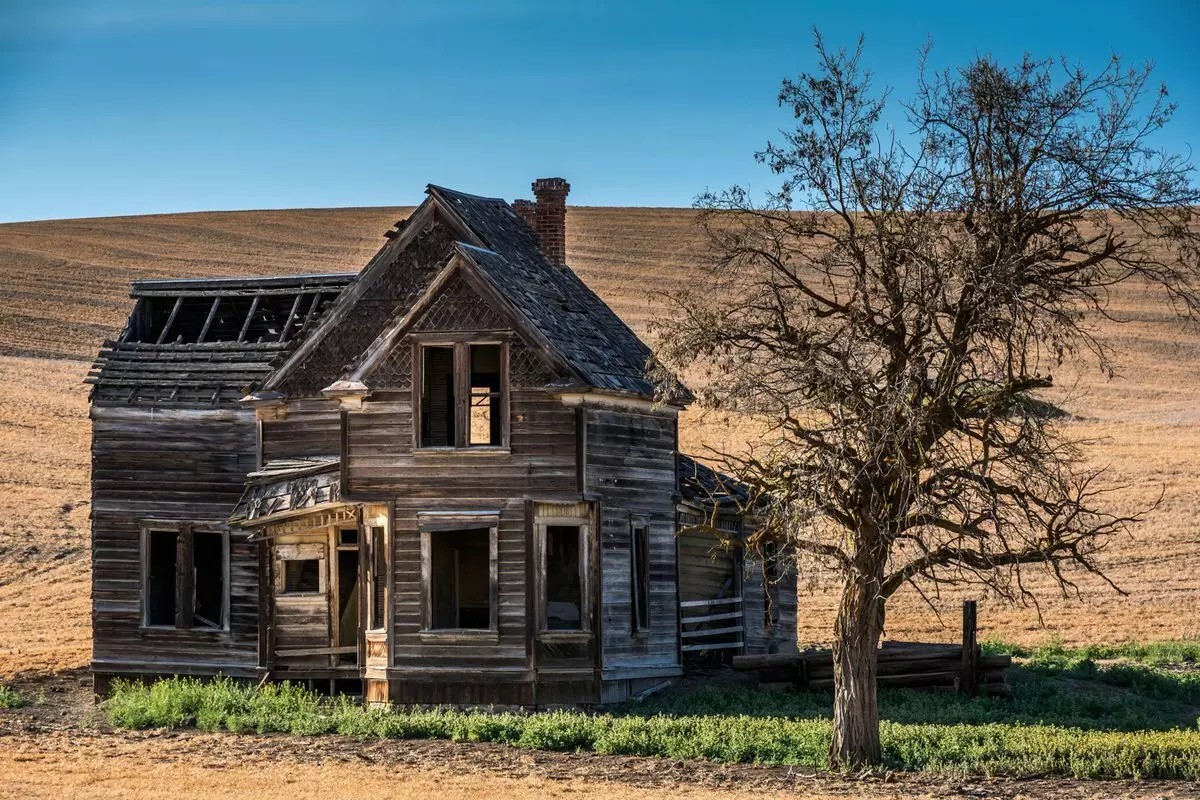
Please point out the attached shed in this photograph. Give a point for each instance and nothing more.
(733, 599)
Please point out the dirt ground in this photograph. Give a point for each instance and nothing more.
(58, 747)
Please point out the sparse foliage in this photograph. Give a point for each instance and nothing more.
(891, 309)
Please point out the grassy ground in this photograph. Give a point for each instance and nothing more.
(10, 698)
(1068, 716)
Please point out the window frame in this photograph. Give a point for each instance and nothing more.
(298, 552)
(431, 523)
(185, 577)
(377, 581)
(541, 531)
(461, 344)
(639, 614)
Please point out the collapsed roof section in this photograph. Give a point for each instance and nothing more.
(207, 341)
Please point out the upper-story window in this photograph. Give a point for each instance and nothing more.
(463, 399)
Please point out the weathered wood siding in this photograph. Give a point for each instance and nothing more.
(185, 465)
(309, 428)
(630, 466)
(540, 464)
(770, 609)
(706, 568)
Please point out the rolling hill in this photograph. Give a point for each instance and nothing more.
(65, 288)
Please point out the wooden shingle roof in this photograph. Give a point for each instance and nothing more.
(206, 341)
(588, 335)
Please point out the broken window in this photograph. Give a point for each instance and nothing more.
(486, 412)
(639, 561)
(208, 582)
(302, 576)
(437, 397)
(460, 579)
(186, 582)
(161, 577)
(563, 579)
(462, 396)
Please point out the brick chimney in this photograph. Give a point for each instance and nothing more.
(550, 218)
(528, 211)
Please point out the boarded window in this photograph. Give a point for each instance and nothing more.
(208, 584)
(486, 413)
(564, 586)
(460, 579)
(437, 397)
(378, 579)
(639, 559)
(162, 577)
(302, 576)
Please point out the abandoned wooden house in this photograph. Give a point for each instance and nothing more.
(442, 479)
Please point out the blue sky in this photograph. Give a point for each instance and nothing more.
(128, 107)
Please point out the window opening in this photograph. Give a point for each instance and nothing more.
(639, 547)
(302, 576)
(437, 397)
(564, 586)
(208, 565)
(162, 565)
(486, 412)
(378, 578)
(460, 579)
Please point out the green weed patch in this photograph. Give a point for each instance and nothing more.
(767, 728)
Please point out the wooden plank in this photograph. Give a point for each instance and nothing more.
(162, 336)
(208, 321)
(711, 632)
(968, 682)
(711, 618)
(724, 601)
(691, 648)
(249, 317)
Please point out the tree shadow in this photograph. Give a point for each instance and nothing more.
(1113, 698)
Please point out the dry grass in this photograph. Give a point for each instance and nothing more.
(66, 288)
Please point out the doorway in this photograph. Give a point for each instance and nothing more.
(347, 596)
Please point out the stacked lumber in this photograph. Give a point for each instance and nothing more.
(937, 667)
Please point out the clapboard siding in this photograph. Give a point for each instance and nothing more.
(540, 464)
(706, 568)
(184, 465)
(770, 608)
(630, 465)
(310, 428)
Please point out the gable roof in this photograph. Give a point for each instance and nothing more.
(561, 312)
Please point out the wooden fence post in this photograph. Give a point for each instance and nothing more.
(968, 680)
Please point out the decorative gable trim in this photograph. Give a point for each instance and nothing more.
(462, 265)
(351, 295)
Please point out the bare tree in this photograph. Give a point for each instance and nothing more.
(891, 309)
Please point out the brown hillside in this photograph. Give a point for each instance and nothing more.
(65, 288)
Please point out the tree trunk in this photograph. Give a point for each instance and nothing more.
(855, 661)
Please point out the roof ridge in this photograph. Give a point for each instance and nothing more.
(446, 189)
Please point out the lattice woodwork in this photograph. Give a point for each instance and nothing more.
(395, 371)
(392, 291)
(460, 308)
(526, 367)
